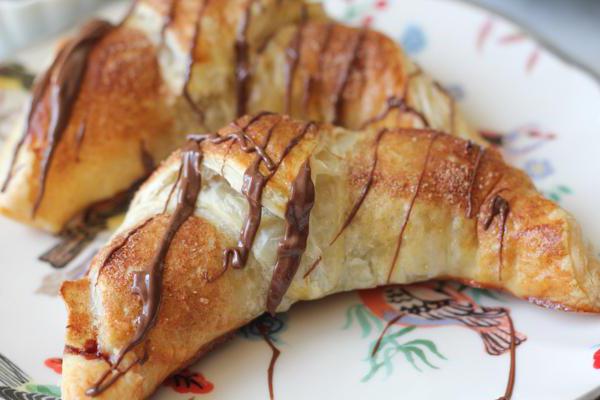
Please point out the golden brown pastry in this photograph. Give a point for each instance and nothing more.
(118, 99)
(270, 211)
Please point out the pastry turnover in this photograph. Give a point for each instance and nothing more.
(270, 211)
(118, 99)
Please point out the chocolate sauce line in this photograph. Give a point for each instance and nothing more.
(147, 283)
(172, 191)
(39, 89)
(343, 83)
(293, 244)
(312, 267)
(310, 81)
(246, 143)
(365, 189)
(190, 65)
(510, 384)
(473, 177)
(237, 256)
(488, 193)
(96, 391)
(65, 82)
(242, 68)
(501, 208)
(275, 355)
(383, 332)
(119, 246)
(295, 140)
(229, 147)
(434, 136)
(253, 184)
(293, 54)
(400, 104)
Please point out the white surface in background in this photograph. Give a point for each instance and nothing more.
(25, 22)
(573, 26)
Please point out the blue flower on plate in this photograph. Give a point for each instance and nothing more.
(538, 169)
(413, 39)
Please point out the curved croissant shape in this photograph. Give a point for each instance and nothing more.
(270, 211)
(119, 99)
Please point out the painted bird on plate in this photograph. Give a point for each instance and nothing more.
(441, 303)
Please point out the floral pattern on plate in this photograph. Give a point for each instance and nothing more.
(385, 342)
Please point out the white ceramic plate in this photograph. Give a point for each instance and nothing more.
(548, 113)
(24, 21)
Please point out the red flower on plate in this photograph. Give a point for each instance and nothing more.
(597, 359)
(55, 364)
(187, 381)
(381, 4)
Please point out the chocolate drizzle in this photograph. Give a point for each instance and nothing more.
(116, 247)
(97, 390)
(65, 78)
(313, 267)
(190, 65)
(264, 331)
(366, 188)
(39, 89)
(242, 68)
(434, 136)
(401, 105)
(252, 188)
(309, 82)
(510, 384)
(291, 247)
(499, 207)
(383, 332)
(254, 183)
(473, 177)
(147, 283)
(292, 54)
(338, 102)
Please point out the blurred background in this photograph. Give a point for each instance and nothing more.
(571, 27)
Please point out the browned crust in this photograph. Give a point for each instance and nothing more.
(122, 106)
